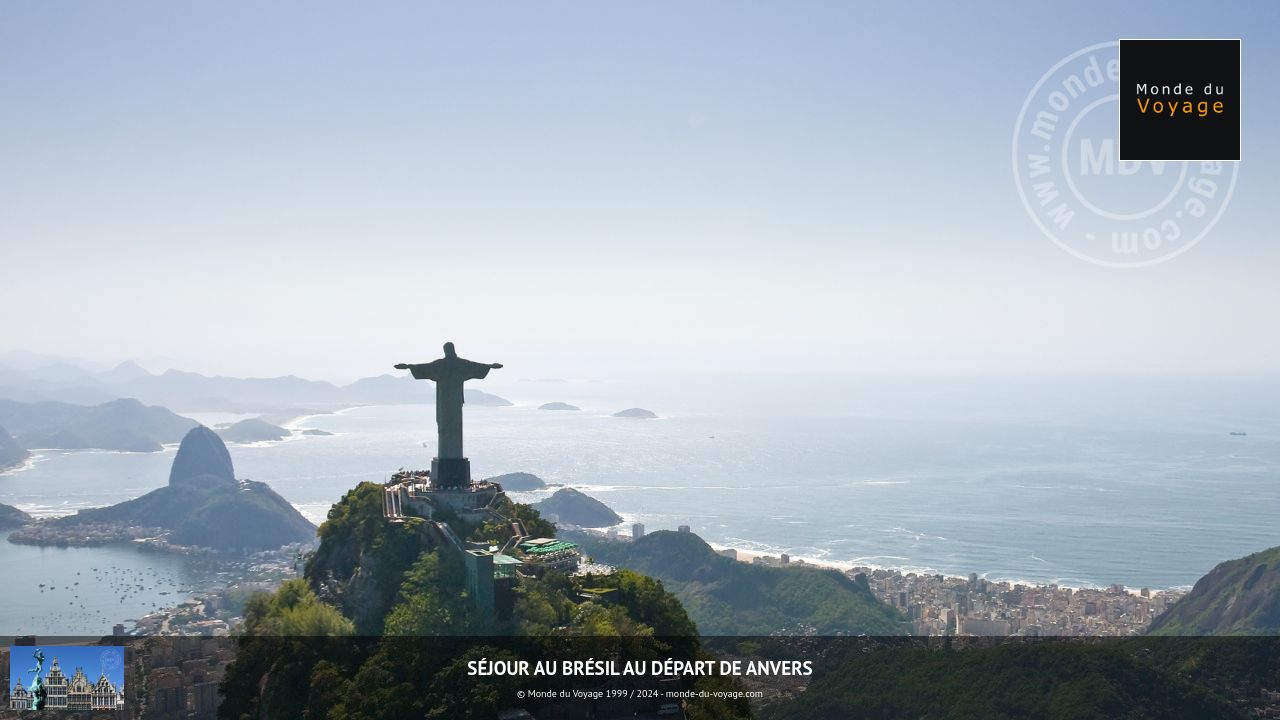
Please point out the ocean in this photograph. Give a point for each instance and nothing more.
(1083, 482)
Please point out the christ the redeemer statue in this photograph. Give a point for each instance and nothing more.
(450, 468)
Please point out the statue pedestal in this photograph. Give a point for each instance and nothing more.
(450, 472)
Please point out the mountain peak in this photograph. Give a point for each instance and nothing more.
(202, 459)
(124, 372)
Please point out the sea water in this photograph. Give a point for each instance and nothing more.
(1083, 482)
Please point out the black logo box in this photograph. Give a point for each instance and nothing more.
(1185, 67)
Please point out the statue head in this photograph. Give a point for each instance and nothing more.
(449, 351)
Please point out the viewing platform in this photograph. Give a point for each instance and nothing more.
(410, 493)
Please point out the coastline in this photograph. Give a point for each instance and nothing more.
(936, 604)
(313, 512)
(749, 556)
(29, 462)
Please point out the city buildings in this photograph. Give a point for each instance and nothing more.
(942, 605)
(74, 693)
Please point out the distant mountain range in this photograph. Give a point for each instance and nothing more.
(64, 382)
(63, 405)
(203, 505)
(115, 425)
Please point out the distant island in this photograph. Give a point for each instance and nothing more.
(203, 506)
(11, 453)
(65, 382)
(639, 413)
(577, 508)
(253, 430)
(11, 517)
(558, 406)
(124, 424)
(519, 481)
(317, 432)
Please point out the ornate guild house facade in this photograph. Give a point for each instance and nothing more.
(74, 693)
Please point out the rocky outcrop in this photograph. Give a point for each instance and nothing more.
(637, 413)
(576, 508)
(519, 481)
(558, 406)
(362, 558)
(253, 430)
(11, 517)
(203, 506)
(202, 459)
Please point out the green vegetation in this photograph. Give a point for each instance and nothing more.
(248, 517)
(409, 657)
(576, 508)
(362, 558)
(253, 517)
(204, 505)
(498, 532)
(1238, 597)
(296, 611)
(727, 597)
(431, 601)
(1018, 679)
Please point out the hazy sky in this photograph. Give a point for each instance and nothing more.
(326, 189)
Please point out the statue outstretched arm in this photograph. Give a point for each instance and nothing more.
(424, 371)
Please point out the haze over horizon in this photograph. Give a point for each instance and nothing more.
(266, 190)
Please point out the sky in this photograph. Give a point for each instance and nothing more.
(580, 189)
(96, 660)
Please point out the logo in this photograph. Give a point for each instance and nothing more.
(1180, 99)
(1092, 204)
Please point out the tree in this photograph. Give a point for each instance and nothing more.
(432, 600)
